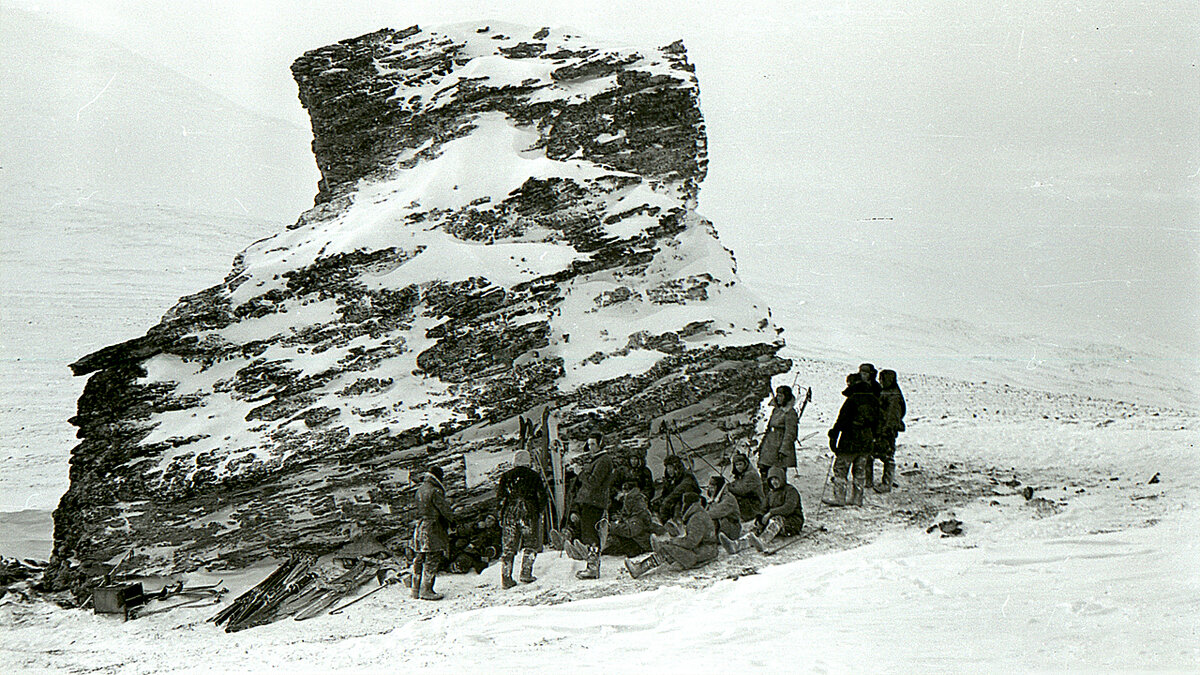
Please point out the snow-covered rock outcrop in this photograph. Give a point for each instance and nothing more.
(506, 220)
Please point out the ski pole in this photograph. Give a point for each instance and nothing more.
(824, 485)
(360, 598)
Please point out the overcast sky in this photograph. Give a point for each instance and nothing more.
(1067, 130)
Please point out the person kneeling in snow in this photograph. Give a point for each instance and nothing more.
(521, 493)
(784, 516)
(697, 546)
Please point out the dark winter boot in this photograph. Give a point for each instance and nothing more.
(593, 565)
(869, 474)
(506, 567)
(527, 559)
(414, 580)
(856, 495)
(428, 575)
(889, 476)
(838, 498)
(760, 541)
(638, 568)
(733, 546)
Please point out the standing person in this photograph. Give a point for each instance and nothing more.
(522, 494)
(867, 372)
(429, 538)
(747, 486)
(778, 445)
(784, 516)
(851, 439)
(891, 412)
(723, 507)
(595, 493)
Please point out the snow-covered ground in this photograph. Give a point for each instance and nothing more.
(1097, 572)
(1049, 249)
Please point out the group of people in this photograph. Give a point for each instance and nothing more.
(615, 507)
(865, 431)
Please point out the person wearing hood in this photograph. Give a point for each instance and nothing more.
(641, 474)
(630, 534)
(747, 487)
(696, 546)
(778, 445)
(522, 496)
(592, 500)
(784, 516)
(723, 507)
(677, 481)
(429, 537)
(891, 411)
(852, 440)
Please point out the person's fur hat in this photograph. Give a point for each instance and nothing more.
(521, 458)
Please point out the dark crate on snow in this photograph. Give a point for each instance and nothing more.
(117, 598)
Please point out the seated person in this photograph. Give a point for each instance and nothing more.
(677, 481)
(784, 516)
(747, 486)
(723, 507)
(696, 546)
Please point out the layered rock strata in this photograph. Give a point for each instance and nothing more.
(506, 220)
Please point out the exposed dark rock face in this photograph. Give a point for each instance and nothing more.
(505, 220)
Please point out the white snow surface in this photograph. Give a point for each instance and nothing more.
(1103, 580)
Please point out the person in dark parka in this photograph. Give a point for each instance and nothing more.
(633, 525)
(522, 496)
(641, 474)
(592, 500)
(778, 445)
(429, 537)
(677, 481)
(891, 412)
(852, 440)
(747, 487)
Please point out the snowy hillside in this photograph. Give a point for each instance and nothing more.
(506, 220)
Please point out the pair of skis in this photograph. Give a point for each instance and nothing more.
(546, 451)
(257, 605)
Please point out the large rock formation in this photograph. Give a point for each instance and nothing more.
(506, 220)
